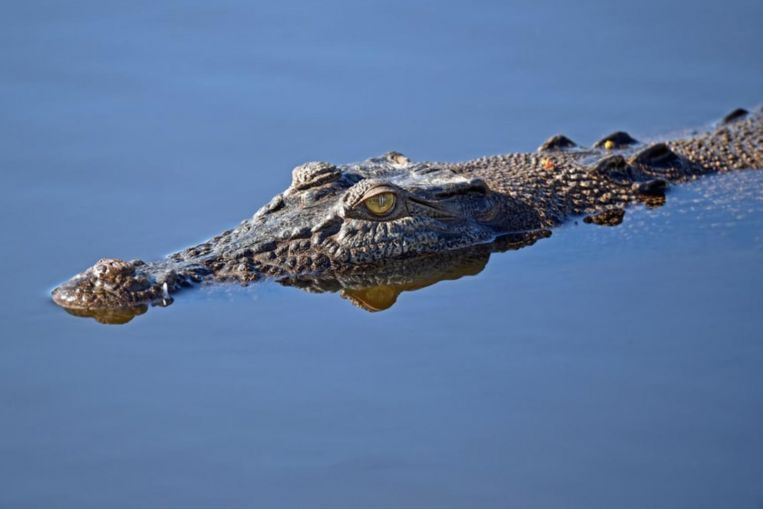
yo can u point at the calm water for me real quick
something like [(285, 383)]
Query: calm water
[(599, 368)]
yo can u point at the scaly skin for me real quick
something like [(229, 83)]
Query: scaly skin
[(321, 231)]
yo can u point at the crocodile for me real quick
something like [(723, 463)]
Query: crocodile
[(391, 219)]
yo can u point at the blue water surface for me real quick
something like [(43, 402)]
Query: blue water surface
[(599, 368)]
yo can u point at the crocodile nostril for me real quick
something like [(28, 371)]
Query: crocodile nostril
[(111, 268)]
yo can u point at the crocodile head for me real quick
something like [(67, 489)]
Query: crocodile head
[(331, 218), (362, 214)]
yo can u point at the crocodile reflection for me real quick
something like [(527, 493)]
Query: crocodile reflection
[(374, 287)]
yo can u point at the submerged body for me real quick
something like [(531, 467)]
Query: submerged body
[(351, 219)]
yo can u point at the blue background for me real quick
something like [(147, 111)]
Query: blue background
[(599, 368)]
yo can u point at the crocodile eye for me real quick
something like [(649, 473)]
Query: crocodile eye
[(380, 204)]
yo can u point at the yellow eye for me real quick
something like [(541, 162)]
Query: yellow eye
[(380, 204)]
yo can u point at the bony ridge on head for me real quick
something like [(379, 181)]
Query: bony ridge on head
[(311, 174)]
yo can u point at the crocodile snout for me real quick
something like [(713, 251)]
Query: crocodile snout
[(109, 283)]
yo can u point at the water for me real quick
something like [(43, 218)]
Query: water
[(600, 367)]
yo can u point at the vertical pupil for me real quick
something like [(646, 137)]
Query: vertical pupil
[(380, 203)]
